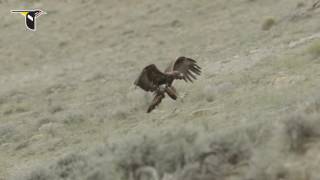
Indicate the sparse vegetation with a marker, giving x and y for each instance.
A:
(55, 109)
(15, 108)
(73, 119)
(197, 153)
(314, 49)
(7, 131)
(300, 129)
(300, 4)
(69, 110)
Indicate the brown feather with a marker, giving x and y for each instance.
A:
(171, 91)
(150, 78)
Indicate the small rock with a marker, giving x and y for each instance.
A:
(176, 23)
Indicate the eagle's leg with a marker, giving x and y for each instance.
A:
(171, 91)
(159, 95)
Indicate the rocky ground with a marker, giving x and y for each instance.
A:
(69, 110)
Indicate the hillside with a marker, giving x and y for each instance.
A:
(69, 109)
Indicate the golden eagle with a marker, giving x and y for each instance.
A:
(152, 79)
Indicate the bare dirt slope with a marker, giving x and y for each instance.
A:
(68, 88)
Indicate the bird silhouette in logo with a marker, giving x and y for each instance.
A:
(30, 17)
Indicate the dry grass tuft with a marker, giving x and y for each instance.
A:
(301, 4)
(39, 174)
(7, 131)
(73, 118)
(209, 93)
(55, 109)
(268, 23)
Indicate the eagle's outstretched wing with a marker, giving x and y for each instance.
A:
(187, 66)
(150, 78)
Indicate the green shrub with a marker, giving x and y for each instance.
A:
(314, 49)
(268, 23)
